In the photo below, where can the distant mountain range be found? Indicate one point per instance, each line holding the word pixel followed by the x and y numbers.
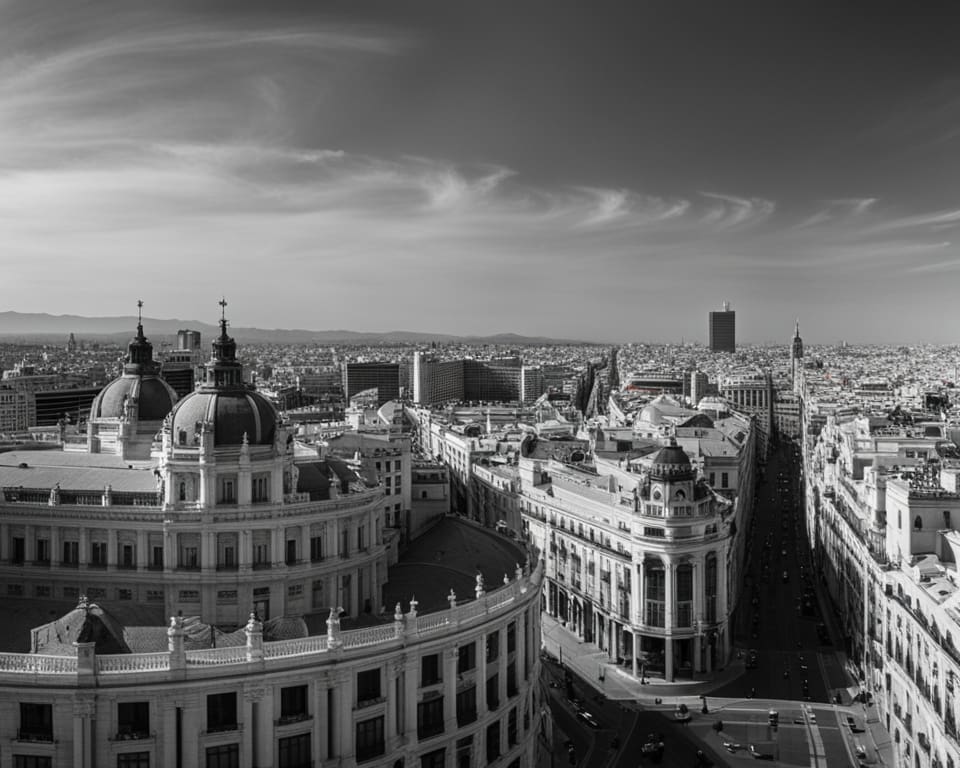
pixel 41 326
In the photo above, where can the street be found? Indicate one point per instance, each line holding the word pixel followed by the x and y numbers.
pixel 784 644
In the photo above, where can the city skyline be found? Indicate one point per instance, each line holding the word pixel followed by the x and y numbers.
pixel 544 170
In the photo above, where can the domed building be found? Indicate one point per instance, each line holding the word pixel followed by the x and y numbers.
pixel 127 414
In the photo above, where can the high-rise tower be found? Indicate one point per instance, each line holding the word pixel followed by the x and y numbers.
pixel 723 330
pixel 796 360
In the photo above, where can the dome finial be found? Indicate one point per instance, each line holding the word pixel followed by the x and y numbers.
pixel 223 316
pixel 139 318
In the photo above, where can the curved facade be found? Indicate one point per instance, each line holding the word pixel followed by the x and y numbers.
pixel 449 689
pixel 640 563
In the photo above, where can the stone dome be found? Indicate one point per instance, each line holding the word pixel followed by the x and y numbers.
pixel 150 396
pixel 232 412
pixel 671 463
pixel 225 401
pixel 140 387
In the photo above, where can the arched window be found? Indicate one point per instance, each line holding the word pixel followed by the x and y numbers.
pixel 183 491
pixel 917 523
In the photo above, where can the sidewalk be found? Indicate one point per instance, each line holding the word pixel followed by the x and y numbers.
pixel 616 682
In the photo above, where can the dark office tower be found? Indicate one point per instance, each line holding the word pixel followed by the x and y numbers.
pixel 382 376
pixel 188 339
pixel 181 365
pixel 723 330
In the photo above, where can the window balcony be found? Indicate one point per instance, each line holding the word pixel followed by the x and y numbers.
pixel 262 566
pixel 228 566
pixel 29 734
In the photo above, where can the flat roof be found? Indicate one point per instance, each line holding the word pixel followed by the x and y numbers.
pixel 75 471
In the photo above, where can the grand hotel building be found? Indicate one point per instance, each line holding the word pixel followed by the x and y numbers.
pixel 217 516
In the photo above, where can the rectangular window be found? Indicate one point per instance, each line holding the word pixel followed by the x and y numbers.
pixel 227 492
pixel 260 490
pixel 316 549
pixel 223 756
pixel 291 551
pixel 221 712
pixel 493 692
pixel 36 722
pixel 344 543
pixel 368 686
pixel 430 669
pixel 71 552
pixel 511 637
pixel 466 706
pixel 493 646
pixel 656 595
pixel 435 759
pixel 464 751
pixel 43 550
pixel 98 553
pixel 133 760
pixel 126 556
pixel 133 719
pixel 156 560
pixel 189 557
pixel 512 728
pixel 430 718
pixel 19 550
pixel 724 480
pixel 361 538
pixel 466 658
pixel 294 751
pixel 42 590
pixel 293 704
pixel 124 594
pixel 32 761
pixel 512 678
pixel 370 739
pixel 493 741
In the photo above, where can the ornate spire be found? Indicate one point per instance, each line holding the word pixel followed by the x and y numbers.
pixel 223 370
pixel 140 351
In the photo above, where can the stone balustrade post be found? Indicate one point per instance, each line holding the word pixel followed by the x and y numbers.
pixel 178 655
pixel 254 632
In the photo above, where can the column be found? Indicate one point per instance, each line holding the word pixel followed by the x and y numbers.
pixel 337 707
pixel 633 651
pixel 29 543
pixel 111 548
pixel 142 558
pixel 244 549
pixel 55 546
pixel 208 550
pixel 697 645
pixel 394 672
pixel 84 709
pixel 502 666
pixel 169 550
pixel 410 699
pixel 263 722
pixel 522 640
pixel 167 746
pixel 668 623
pixel 321 716
pixel 482 675
pixel 277 542
pixel 304 550
pixel 4 541
pixel 450 656
pixel 345 718
pixel 190 724
pixel 251 695
pixel 84 546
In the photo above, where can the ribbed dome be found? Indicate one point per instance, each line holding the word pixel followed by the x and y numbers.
pixel 154 398
pixel 671 463
pixel 233 413
pixel 140 382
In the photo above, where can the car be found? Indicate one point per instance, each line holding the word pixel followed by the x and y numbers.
pixel 852 724
pixel 756 754
pixel 589 719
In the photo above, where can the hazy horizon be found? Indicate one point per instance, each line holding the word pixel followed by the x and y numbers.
pixel 610 172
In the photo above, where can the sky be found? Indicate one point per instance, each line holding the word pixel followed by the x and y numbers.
pixel 605 171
